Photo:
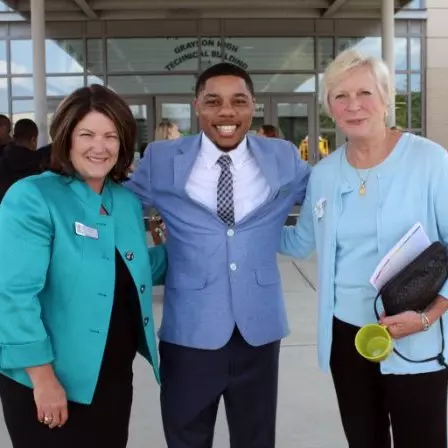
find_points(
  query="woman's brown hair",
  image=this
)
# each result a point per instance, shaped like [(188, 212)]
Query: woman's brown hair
[(269, 130), (73, 109)]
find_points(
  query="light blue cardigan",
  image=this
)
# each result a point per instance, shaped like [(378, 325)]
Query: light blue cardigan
[(412, 186)]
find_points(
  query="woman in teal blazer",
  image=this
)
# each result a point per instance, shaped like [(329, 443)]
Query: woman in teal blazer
[(75, 284)]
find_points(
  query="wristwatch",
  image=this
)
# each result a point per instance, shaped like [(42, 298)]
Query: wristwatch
[(425, 321)]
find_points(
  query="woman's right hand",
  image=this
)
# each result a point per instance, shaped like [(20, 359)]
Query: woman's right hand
[(49, 396)]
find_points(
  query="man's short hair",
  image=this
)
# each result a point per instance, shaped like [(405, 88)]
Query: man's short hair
[(223, 69), (5, 121), (25, 130)]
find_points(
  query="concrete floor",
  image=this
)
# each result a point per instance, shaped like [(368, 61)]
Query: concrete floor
[(307, 410)]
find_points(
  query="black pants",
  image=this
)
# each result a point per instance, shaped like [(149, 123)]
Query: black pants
[(193, 381), (102, 424), (415, 406)]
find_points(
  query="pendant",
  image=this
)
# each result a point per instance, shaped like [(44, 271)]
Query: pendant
[(362, 188)]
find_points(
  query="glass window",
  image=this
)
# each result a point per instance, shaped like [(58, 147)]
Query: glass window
[(284, 83), (401, 110), (95, 80), (416, 102), (22, 109), (136, 84), (63, 85), (293, 121), (179, 113), (4, 7), (371, 46), (95, 56), (401, 100), (324, 52), (21, 57), (327, 143), (416, 53), (325, 122), (258, 118), (4, 109), (3, 61), (140, 113), (211, 51), (401, 54), (415, 4), (152, 54), (271, 53), (22, 86), (64, 56), (401, 83)]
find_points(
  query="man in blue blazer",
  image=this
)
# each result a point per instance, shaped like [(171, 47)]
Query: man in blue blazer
[(224, 196)]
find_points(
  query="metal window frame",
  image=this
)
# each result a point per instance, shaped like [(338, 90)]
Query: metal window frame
[(103, 36)]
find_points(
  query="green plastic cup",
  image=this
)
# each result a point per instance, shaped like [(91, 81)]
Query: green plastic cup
[(373, 342)]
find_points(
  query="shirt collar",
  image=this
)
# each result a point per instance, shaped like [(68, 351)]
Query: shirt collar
[(211, 153), (89, 197)]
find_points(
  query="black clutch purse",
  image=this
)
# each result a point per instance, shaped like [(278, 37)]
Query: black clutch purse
[(415, 287)]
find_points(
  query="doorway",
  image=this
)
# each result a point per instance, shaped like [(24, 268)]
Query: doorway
[(293, 116)]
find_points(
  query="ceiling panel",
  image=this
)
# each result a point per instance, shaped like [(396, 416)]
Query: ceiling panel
[(171, 9)]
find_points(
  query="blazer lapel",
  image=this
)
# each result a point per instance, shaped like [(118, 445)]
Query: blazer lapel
[(265, 158), (184, 161)]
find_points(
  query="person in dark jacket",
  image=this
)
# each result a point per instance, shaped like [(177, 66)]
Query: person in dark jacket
[(20, 158), (44, 153), (5, 131)]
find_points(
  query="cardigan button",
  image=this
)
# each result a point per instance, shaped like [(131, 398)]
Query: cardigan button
[(142, 289), (129, 256), (146, 321)]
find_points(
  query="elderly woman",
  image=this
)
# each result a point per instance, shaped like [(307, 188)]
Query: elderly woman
[(360, 201), (75, 285)]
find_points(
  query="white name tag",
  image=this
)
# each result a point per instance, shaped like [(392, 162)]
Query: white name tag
[(83, 230)]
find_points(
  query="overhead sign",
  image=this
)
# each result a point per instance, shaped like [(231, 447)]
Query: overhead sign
[(210, 49)]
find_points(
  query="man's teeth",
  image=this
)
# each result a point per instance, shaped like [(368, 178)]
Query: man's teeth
[(226, 129)]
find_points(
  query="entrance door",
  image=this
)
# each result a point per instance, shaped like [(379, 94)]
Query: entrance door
[(52, 104), (178, 109), (294, 117), (142, 111)]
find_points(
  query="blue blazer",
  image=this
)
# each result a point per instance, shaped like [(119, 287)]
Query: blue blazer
[(218, 276), (57, 285), (412, 187)]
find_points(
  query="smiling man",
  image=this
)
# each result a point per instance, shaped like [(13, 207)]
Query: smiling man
[(224, 197)]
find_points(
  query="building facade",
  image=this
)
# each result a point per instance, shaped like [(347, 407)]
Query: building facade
[(153, 63)]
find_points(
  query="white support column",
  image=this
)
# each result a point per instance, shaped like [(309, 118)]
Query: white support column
[(388, 47), (40, 93)]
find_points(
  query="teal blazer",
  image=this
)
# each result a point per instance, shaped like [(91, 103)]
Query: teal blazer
[(57, 277)]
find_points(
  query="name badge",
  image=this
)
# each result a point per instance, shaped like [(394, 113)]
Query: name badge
[(83, 230)]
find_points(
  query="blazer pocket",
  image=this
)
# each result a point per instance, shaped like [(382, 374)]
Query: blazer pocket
[(267, 276), (184, 280)]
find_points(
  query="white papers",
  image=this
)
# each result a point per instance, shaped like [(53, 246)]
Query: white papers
[(406, 250)]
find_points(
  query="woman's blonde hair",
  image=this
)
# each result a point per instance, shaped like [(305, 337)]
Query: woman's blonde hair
[(162, 131), (349, 60)]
